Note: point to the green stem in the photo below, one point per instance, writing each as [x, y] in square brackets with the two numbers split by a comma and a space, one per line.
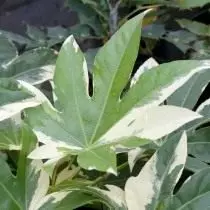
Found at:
[106, 176]
[54, 175]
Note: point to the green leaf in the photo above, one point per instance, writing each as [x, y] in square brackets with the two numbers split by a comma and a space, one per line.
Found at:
[187, 4]
[10, 134]
[188, 95]
[37, 75]
[8, 51]
[88, 15]
[66, 200]
[30, 184]
[158, 177]
[195, 27]
[194, 164]
[36, 34]
[15, 37]
[199, 144]
[85, 123]
[114, 197]
[204, 109]
[14, 98]
[149, 123]
[56, 35]
[86, 118]
[28, 63]
[102, 159]
[194, 193]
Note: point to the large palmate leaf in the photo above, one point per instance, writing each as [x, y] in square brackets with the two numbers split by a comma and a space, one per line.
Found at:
[84, 123]
[158, 177]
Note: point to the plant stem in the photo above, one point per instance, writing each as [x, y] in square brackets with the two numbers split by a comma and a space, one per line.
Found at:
[106, 176]
[54, 175]
[113, 15]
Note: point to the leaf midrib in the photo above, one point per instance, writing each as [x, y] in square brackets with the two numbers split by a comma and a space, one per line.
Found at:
[192, 200]
[77, 109]
[108, 93]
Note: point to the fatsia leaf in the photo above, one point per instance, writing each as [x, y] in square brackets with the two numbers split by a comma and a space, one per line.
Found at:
[158, 177]
[194, 164]
[15, 37]
[37, 75]
[33, 66]
[182, 4]
[148, 64]
[10, 133]
[134, 155]
[187, 4]
[204, 109]
[87, 119]
[36, 34]
[82, 119]
[14, 98]
[28, 189]
[188, 95]
[194, 193]
[199, 144]
[195, 27]
[102, 159]
[149, 123]
[66, 200]
[8, 51]
[30, 184]
[114, 197]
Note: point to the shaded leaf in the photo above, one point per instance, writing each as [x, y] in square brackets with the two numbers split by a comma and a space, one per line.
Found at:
[195, 165]
[188, 95]
[29, 60]
[195, 27]
[200, 150]
[194, 193]
[8, 51]
[14, 98]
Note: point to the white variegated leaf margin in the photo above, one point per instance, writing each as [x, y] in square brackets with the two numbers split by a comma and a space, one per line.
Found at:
[42, 183]
[147, 65]
[168, 90]
[149, 123]
[151, 181]
[37, 75]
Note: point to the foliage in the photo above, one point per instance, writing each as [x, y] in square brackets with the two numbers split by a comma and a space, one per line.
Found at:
[96, 117]
[107, 16]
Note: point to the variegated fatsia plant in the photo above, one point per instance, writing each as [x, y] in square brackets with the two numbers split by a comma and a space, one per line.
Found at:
[90, 121]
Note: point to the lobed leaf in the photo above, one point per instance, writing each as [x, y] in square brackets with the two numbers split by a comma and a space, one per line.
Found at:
[110, 114]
